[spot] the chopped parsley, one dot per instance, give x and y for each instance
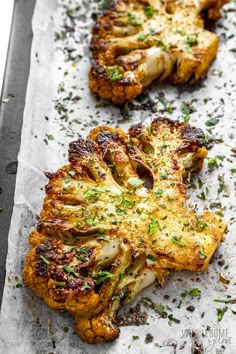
(176, 240)
(193, 292)
(212, 163)
(220, 312)
(61, 87)
(151, 258)
(200, 226)
(162, 46)
(149, 11)
(161, 310)
(19, 285)
(201, 254)
(72, 173)
(166, 105)
(180, 31)
(59, 283)
(164, 175)
(113, 73)
(186, 112)
(132, 20)
(85, 286)
(223, 301)
(158, 192)
(90, 220)
(44, 259)
(135, 181)
(173, 319)
(153, 226)
(212, 122)
(142, 36)
(50, 136)
(67, 180)
(70, 270)
(102, 276)
(190, 41)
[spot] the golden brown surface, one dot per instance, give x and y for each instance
(114, 220)
(137, 42)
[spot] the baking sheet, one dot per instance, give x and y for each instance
(59, 108)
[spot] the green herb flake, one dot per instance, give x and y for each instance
(176, 240)
(212, 163)
(200, 226)
(113, 73)
(19, 285)
(173, 319)
(222, 301)
(166, 105)
(135, 337)
(102, 276)
(190, 41)
(195, 292)
(149, 11)
(85, 286)
(212, 122)
(201, 254)
(151, 258)
(90, 220)
(153, 226)
(61, 87)
(180, 31)
(164, 175)
(146, 301)
(220, 312)
(233, 170)
(132, 20)
(59, 283)
(44, 259)
(67, 180)
(70, 270)
(135, 181)
(186, 112)
(142, 36)
(163, 47)
(72, 173)
(161, 310)
(50, 136)
(158, 192)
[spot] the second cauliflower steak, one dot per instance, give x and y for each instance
(136, 42)
(114, 220)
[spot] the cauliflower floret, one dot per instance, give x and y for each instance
(114, 220)
(137, 42)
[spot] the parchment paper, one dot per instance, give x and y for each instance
(59, 66)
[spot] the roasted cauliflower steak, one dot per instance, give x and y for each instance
(114, 221)
(135, 42)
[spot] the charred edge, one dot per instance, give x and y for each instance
(81, 148)
(54, 270)
(135, 130)
(105, 26)
(193, 135)
(134, 151)
(48, 188)
(167, 121)
(40, 226)
(106, 138)
(49, 175)
(98, 71)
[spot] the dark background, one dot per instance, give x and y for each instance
(11, 116)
